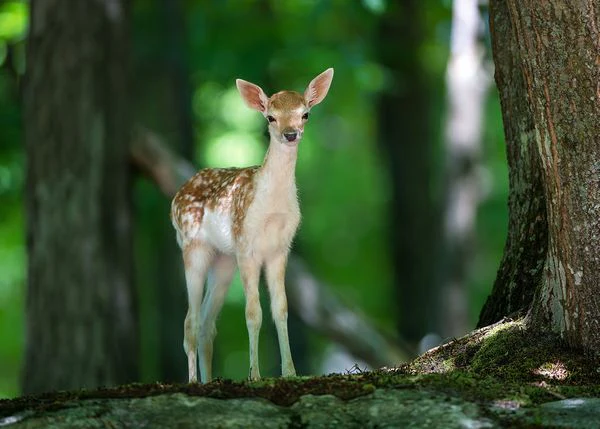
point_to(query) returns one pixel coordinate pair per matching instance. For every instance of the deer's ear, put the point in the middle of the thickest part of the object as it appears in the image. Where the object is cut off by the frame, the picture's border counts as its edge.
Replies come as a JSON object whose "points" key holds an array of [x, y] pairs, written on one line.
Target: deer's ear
{"points": [[318, 87], [253, 95]]}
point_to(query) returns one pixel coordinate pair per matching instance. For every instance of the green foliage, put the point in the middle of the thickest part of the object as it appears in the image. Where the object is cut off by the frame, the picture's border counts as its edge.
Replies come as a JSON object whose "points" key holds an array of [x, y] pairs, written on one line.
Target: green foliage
{"points": [[14, 16], [12, 273], [341, 177], [13, 20]]}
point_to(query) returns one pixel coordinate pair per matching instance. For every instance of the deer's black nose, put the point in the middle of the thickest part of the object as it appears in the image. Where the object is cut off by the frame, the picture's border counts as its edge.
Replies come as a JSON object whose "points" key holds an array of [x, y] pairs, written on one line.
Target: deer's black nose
{"points": [[290, 135]]}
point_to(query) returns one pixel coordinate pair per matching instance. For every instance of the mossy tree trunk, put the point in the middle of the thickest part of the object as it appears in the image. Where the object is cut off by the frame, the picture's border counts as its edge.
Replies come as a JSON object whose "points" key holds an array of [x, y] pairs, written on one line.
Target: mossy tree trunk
{"points": [[548, 72], [525, 251], [81, 324]]}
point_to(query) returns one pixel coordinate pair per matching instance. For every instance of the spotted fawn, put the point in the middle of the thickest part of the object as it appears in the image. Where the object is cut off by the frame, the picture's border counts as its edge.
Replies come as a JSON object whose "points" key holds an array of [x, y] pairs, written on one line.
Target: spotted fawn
{"points": [[244, 217]]}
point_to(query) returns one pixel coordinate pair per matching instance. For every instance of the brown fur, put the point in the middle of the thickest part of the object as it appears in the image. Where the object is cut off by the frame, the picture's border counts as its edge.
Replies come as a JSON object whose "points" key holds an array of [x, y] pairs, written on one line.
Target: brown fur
{"points": [[214, 188], [286, 100]]}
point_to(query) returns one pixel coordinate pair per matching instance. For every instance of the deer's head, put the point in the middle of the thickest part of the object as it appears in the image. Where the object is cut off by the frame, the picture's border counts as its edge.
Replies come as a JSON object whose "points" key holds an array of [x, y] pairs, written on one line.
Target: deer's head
{"points": [[286, 111]]}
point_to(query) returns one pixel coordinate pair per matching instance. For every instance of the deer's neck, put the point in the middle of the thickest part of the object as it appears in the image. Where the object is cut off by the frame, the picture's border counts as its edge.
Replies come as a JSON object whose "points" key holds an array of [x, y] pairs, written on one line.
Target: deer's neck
{"points": [[278, 170]]}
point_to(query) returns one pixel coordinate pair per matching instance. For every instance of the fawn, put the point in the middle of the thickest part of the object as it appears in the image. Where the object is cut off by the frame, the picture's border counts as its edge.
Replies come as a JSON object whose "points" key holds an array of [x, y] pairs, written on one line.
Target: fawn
{"points": [[246, 217]]}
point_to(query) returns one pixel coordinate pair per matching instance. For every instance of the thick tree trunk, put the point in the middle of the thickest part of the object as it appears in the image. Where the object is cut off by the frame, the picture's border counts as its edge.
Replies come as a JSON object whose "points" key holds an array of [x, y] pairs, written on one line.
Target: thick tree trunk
{"points": [[81, 323], [559, 43], [556, 50], [525, 250]]}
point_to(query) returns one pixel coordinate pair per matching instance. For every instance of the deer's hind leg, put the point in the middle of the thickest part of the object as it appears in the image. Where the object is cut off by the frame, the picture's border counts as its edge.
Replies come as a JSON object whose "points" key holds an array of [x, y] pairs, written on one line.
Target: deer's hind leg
{"points": [[197, 258], [219, 280]]}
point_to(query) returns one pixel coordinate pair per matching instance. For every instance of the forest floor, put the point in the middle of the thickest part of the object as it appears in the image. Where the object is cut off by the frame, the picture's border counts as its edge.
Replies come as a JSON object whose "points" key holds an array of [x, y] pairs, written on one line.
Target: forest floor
{"points": [[498, 376]]}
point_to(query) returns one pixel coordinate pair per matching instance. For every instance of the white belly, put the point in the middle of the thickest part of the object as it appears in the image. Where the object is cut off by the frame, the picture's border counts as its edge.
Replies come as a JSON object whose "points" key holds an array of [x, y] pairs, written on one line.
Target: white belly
{"points": [[217, 230]]}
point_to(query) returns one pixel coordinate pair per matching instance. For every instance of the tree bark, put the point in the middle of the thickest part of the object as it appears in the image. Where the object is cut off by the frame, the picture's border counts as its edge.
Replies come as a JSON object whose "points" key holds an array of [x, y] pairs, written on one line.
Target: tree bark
{"points": [[521, 267], [81, 320], [555, 46]]}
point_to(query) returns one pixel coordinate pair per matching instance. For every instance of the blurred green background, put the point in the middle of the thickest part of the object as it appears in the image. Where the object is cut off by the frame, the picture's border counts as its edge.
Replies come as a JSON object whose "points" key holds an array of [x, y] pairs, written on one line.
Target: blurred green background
{"points": [[185, 58]]}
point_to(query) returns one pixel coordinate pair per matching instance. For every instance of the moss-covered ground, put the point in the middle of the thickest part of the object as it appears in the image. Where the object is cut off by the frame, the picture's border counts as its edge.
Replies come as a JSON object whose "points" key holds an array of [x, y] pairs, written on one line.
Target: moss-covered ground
{"points": [[504, 364]]}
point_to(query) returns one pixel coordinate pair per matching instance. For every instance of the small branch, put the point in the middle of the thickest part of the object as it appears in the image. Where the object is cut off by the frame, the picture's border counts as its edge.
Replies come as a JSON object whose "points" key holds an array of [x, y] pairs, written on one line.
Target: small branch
{"points": [[154, 158], [319, 307], [314, 303]]}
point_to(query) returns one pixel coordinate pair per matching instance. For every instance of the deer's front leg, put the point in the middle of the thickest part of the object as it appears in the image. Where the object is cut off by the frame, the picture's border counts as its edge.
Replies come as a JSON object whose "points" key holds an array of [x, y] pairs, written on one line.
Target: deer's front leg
{"points": [[250, 273], [275, 270]]}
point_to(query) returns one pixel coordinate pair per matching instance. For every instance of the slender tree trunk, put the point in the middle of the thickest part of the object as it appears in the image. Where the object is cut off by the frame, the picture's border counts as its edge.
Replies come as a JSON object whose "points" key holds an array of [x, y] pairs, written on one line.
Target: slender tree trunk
{"points": [[406, 139], [172, 300], [81, 321], [555, 46], [468, 81], [162, 99], [176, 62]]}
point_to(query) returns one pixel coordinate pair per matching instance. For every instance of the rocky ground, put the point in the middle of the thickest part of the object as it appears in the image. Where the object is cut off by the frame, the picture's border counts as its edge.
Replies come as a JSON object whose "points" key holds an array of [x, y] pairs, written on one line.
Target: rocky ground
{"points": [[500, 376]]}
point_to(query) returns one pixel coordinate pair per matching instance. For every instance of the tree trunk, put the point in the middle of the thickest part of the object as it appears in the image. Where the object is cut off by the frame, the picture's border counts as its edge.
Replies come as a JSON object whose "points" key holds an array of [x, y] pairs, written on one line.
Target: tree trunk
{"points": [[81, 320], [554, 53], [525, 250], [405, 136], [467, 84], [172, 299]]}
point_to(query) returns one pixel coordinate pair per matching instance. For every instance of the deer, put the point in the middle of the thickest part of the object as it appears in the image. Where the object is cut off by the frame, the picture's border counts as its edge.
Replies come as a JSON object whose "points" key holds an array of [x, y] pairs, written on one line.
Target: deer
{"points": [[246, 218]]}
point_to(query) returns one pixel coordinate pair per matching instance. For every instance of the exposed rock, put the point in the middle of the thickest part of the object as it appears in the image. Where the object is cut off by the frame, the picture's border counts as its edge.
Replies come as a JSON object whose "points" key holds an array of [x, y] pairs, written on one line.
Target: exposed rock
{"points": [[499, 376], [407, 408]]}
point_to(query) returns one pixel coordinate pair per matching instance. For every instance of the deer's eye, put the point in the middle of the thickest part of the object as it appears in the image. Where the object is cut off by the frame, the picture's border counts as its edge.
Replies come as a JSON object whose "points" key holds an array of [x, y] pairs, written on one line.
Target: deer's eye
{"points": [[305, 116], [270, 118]]}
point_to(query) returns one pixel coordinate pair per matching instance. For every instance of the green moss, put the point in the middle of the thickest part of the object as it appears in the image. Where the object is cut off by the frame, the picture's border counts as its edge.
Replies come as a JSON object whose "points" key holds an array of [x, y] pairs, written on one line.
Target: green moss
{"points": [[507, 362], [368, 387], [500, 364]]}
